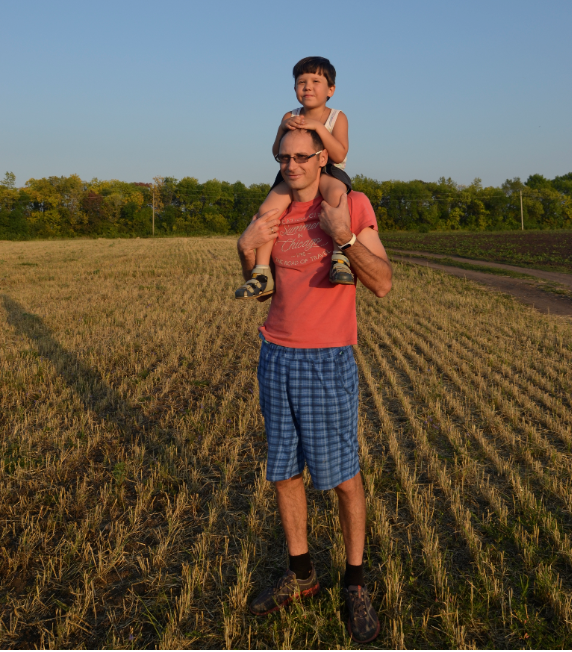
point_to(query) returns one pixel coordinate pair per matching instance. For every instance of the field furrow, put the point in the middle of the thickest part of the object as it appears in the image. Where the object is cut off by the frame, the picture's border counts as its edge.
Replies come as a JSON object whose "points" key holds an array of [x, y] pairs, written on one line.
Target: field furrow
{"points": [[441, 357], [560, 600], [449, 357], [482, 366], [422, 507], [523, 494]]}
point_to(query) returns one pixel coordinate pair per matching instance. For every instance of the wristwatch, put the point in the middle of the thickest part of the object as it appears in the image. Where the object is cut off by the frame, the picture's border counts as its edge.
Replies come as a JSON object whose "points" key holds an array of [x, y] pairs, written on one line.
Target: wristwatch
{"points": [[349, 244]]}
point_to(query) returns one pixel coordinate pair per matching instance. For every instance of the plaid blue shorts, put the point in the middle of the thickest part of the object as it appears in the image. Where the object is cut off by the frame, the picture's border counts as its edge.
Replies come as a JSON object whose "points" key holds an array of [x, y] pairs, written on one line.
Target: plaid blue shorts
{"points": [[309, 399]]}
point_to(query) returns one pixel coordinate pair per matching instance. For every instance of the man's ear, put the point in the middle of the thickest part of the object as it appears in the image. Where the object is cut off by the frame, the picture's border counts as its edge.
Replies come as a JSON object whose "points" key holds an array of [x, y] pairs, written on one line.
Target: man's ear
{"points": [[323, 158]]}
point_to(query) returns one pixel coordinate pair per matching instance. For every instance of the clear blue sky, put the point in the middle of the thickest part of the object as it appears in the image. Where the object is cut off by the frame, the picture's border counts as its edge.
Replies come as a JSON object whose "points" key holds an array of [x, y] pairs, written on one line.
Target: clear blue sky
{"points": [[130, 90]]}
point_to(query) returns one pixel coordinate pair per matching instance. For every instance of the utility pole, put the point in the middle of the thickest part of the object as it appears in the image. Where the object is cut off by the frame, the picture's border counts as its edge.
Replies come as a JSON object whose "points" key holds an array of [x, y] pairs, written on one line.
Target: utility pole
{"points": [[521, 212], [154, 209]]}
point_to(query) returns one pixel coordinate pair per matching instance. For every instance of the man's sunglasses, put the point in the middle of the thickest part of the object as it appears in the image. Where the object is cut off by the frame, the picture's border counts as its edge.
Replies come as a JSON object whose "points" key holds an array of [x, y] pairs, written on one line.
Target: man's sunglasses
{"points": [[284, 159]]}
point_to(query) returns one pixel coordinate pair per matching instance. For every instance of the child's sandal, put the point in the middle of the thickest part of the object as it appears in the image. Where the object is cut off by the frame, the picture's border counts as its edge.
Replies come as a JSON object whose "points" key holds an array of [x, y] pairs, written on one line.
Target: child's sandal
{"points": [[259, 285], [340, 272]]}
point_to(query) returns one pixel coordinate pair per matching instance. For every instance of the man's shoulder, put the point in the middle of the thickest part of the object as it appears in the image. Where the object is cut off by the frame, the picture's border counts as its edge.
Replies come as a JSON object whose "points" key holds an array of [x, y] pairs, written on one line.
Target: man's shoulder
{"points": [[361, 212], [358, 200]]}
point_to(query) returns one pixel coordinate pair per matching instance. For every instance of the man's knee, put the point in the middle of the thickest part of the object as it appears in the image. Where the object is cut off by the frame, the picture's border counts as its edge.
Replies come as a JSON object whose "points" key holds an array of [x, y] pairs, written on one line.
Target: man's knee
{"points": [[291, 483], [349, 487]]}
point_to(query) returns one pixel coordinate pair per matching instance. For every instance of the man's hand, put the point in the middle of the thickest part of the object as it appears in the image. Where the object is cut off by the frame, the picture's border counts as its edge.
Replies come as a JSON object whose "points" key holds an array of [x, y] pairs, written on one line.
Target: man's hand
{"points": [[367, 255], [260, 231], [335, 221]]}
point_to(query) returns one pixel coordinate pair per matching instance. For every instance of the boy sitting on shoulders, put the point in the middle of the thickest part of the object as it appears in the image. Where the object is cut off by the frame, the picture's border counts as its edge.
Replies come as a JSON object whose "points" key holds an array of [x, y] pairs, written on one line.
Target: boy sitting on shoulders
{"points": [[315, 83]]}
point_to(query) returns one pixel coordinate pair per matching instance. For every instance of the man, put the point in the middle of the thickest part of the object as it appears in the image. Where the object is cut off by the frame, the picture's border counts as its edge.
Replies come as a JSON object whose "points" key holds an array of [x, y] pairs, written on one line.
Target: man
{"points": [[307, 374]]}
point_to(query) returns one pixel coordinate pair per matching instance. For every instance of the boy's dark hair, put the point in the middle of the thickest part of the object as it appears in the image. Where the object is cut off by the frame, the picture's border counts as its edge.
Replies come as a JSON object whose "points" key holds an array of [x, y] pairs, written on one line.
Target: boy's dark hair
{"points": [[316, 64]]}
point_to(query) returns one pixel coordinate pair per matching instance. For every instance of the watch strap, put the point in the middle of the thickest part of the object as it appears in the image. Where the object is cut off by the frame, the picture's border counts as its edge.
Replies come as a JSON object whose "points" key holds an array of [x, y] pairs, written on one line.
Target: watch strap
{"points": [[349, 244]]}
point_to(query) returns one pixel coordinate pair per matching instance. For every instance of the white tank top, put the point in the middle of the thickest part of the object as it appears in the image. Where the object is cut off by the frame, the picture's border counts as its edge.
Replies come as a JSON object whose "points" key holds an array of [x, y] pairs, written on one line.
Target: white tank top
{"points": [[330, 122]]}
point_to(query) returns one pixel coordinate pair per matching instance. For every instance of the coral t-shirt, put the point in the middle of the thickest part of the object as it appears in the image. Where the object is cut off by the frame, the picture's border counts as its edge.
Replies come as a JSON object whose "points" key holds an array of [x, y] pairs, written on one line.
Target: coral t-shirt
{"points": [[307, 311]]}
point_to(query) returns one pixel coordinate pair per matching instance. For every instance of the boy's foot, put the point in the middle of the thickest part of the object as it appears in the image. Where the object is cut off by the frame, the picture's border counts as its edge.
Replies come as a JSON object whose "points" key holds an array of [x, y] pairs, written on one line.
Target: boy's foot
{"points": [[363, 622], [287, 589], [340, 272], [261, 284]]}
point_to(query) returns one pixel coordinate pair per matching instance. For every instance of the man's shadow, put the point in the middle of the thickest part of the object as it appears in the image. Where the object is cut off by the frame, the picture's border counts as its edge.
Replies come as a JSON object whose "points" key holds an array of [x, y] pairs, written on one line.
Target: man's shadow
{"points": [[87, 383]]}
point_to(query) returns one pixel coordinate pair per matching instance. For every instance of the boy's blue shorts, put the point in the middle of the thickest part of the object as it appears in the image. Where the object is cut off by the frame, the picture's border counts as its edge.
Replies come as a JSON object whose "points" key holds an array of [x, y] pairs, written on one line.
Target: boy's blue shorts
{"points": [[309, 399]]}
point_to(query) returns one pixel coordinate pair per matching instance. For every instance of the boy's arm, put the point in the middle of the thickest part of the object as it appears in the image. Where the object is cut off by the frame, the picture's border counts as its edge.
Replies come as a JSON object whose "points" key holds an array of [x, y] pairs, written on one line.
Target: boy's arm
{"points": [[336, 143], [288, 123]]}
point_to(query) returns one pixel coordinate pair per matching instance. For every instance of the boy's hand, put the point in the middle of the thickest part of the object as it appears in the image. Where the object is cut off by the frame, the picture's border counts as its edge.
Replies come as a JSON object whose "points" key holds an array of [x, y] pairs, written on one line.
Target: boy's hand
{"points": [[294, 122], [311, 125]]}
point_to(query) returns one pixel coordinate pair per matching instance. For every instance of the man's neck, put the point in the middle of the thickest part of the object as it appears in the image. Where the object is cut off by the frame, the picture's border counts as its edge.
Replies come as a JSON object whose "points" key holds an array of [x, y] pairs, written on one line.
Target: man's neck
{"points": [[307, 194]]}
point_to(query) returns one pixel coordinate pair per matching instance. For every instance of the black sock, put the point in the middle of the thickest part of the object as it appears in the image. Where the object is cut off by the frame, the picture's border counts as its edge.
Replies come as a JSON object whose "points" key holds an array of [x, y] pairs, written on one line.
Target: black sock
{"points": [[354, 575], [301, 565]]}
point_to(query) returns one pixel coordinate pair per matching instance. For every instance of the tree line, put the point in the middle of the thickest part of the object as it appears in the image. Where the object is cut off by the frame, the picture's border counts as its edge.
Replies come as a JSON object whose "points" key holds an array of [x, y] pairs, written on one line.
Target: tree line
{"points": [[56, 207]]}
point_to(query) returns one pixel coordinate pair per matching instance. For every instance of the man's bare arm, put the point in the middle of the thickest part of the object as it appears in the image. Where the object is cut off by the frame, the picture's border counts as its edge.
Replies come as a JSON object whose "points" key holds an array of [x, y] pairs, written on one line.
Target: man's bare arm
{"points": [[372, 267], [367, 255]]}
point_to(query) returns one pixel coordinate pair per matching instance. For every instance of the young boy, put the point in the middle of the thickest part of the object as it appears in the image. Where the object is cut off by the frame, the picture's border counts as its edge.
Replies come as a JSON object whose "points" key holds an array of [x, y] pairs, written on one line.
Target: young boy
{"points": [[315, 83]]}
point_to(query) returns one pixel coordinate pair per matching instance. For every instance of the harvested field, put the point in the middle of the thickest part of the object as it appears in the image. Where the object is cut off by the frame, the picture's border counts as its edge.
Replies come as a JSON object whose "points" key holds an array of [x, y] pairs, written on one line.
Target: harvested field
{"points": [[550, 250], [133, 507]]}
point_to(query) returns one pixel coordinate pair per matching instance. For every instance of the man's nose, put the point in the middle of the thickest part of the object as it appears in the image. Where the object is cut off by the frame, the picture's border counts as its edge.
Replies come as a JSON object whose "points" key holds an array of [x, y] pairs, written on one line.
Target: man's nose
{"points": [[291, 164]]}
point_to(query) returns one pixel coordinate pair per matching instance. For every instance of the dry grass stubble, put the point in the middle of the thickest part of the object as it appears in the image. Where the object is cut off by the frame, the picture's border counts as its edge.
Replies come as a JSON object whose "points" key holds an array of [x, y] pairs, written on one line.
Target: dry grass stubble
{"points": [[134, 510]]}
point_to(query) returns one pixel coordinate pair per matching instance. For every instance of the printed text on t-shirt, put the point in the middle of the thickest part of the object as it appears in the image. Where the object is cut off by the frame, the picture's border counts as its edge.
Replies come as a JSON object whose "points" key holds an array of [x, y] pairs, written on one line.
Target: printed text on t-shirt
{"points": [[301, 242]]}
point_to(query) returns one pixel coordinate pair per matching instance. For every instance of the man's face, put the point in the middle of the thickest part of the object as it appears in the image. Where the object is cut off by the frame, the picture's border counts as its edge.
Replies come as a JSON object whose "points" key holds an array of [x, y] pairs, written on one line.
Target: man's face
{"points": [[301, 175]]}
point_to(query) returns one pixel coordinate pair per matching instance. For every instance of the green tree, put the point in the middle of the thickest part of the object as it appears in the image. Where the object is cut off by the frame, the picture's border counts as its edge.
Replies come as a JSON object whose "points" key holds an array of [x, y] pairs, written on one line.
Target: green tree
{"points": [[69, 206], [537, 182], [9, 180], [563, 184]]}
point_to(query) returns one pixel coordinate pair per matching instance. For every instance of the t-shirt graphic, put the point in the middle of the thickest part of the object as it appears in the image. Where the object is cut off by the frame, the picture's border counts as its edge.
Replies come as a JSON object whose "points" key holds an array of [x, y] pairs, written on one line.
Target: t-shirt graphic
{"points": [[301, 241]]}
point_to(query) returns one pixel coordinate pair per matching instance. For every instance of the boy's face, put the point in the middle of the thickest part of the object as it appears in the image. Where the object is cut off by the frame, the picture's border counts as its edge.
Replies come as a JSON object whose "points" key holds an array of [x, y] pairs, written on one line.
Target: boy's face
{"points": [[312, 89]]}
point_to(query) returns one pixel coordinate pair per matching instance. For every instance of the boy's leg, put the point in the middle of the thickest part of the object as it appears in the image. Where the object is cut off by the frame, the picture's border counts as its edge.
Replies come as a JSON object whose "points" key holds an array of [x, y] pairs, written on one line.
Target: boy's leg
{"points": [[278, 198], [262, 282], [332, 190]]}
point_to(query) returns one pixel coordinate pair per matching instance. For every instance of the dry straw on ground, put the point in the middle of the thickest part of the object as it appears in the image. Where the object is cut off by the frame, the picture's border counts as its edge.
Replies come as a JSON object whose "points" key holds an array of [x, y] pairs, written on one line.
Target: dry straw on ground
{"points": [[134, 510]]}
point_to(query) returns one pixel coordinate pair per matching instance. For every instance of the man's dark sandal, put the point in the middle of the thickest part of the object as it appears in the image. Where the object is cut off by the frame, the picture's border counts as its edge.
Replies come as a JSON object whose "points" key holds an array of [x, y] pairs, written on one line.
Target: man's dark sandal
{"points": [[363, 623], [258, 286], [340, 272], [287, 589]]}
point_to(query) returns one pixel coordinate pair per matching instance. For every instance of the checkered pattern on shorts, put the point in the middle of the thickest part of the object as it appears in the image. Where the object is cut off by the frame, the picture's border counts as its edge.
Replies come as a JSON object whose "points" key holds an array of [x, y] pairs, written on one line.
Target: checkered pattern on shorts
{"points": [[309, 399]]}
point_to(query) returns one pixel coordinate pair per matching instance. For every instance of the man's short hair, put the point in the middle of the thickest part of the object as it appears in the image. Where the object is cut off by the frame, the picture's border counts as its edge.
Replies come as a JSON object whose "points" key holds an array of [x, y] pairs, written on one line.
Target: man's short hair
{"points": [[320, 65], [316, 140]]}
